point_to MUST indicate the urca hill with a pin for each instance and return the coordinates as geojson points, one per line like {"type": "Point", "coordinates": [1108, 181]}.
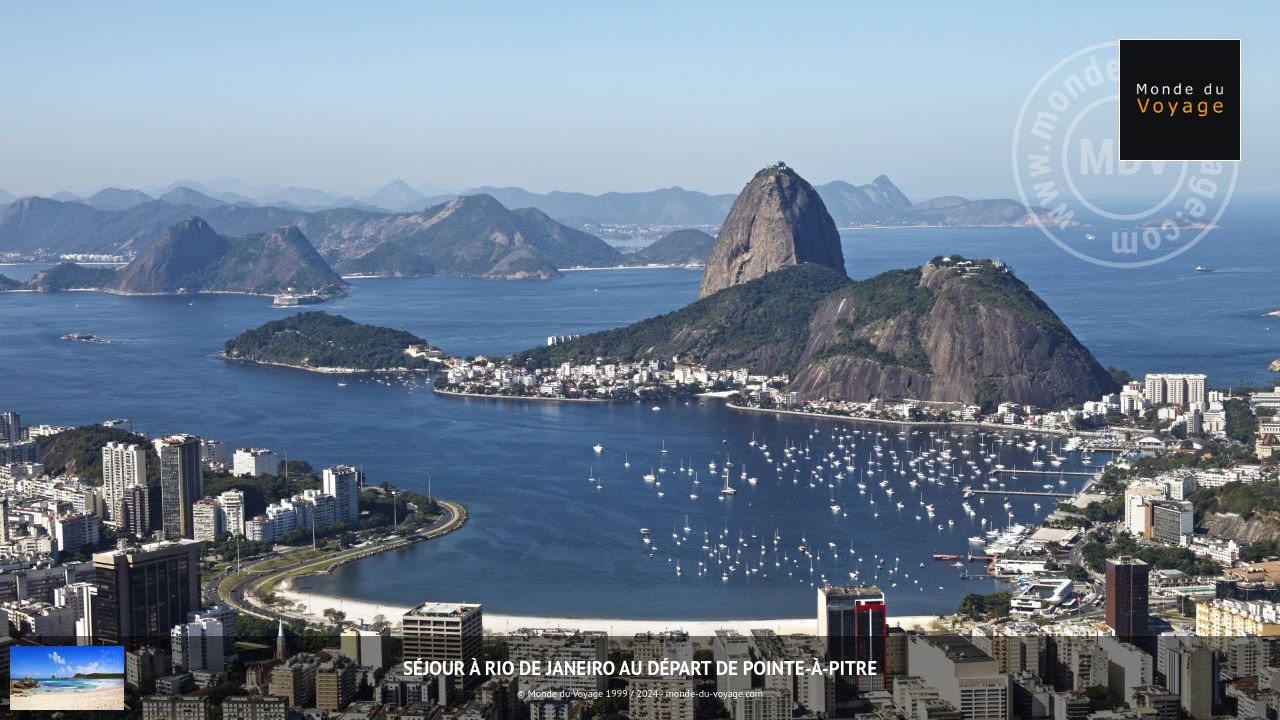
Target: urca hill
{"type": "Point", "coordinates": [776, 298]}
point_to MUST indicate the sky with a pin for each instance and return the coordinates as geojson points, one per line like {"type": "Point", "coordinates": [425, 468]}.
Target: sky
{"type": "Point", "coordinates": [64, 660]}
{"type": "Point", "coordinates": [588, 97]}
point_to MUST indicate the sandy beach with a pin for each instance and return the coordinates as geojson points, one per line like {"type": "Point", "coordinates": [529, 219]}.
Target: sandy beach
{"type": "Point", "coordinates": [106, 698]}
{"type": "Point", "coordinates": [315, 605]}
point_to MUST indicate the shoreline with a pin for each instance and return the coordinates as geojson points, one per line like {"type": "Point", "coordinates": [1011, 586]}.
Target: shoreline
{"type": "Point", "coordinates": [539, 398]}
{"type": "Point", "coordinates": [633, 267]}
{"type": "Point", "coordinates": [921, 423]}
{"type": "Point", "coordinates": [364, 611]}
{"type": "Point", "coordinates": [322, 370]}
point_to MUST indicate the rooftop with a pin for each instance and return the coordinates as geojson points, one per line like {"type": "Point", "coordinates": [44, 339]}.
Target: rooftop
{"type": "Point", "coordinates": [869, 592]}
{"type": "Point", "coordinates": [956, 648]}
{"type": "Point", "coordinates": [443, 609]}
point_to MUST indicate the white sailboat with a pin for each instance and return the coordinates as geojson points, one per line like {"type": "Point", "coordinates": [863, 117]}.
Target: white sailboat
{"type": "Point", "coordinates": [727, 489]}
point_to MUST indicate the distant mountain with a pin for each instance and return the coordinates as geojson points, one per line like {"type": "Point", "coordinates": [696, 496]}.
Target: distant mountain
{"type": "Point", "coordinates": [882, 203]}
{"type": "Point", "coordinates": [681, 247]}
{"type": "Point", "coordinates": [5, 197]}
{"type": "Point", "coordinates": [778, 220]}
{"type": "Point", "coordinates": [852, 203]}
{"type": "Point", "coordinates": [70, 276]}
{"type": "Point", "coordinates": [668, 206]}
{"type": "Point", "coordinates": [185, 196]}
{"type": "Point", "coordinates": [190, 256]}
{"type": "Point", "coordinates": [64, 196]}
{"type": "Point", "coordinates": [300, 198]}
{"type": "Point", "coordinates": [117, 199]}
{"type": "Point", "coordinates": [474, 235]}
{"type": "Point", "coordinates": [33, 224]}
{"type": "Point", "coordinates": [396, 196]}
{"type": "Point", "coordinates": [387, 259]}
{"type": "Point", "coordinates": [953, 211]}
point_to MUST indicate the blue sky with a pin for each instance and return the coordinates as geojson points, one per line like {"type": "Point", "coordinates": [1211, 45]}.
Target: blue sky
{"type": "Point", "coordinates": [571, 96]}
{"type": "Point", "coordinates": [64, 660]}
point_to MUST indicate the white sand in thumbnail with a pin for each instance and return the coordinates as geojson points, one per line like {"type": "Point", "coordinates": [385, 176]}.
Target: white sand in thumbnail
{"type": "Point", "coordinates": [105, 698]}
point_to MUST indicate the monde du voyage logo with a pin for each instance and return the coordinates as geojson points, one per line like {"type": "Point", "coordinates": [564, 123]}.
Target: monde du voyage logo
{"type": "Point", "coordinates": [1124, 152]}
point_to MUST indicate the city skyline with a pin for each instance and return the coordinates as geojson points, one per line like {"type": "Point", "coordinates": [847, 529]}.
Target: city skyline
{"type": "Point", "coordinates": [609, 100]}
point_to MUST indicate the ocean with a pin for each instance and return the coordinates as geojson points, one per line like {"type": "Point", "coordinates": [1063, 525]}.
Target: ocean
{"type": "Point", "coordinates": [542, 540]}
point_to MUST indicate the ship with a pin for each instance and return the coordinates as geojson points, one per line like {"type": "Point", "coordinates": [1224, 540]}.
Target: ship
{"type": "Point", "coordinates": [1201, 268]}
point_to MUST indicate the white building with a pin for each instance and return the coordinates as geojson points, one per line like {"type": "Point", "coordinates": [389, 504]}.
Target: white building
{"type": "Point", "coordinates": [231, 502]}
{"type": "Point", "coordinates": [962, 674]}
{"type": "Point", "coordinates": [341, 481]}
{"type": "Point", "coordinates": [259, 529]}
{"type": "Point", "coordinates": [124, 465]}
{"type": "Point", "coordinates": [213, 453]}
{"type": "Point", "coordinates": [199, 645]}
{"type": "Point", "coordinates": [252, 462]}
{"type": "Point", "coordinates": [207, 519]}
{"type": "Point", "coordinates": [73, 532]}
{"type": "Point", "coordinates": [1180, 389]}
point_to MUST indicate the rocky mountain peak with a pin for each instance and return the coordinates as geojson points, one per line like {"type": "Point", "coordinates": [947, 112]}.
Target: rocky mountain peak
{"type": "Point", "coordinates": [777, 221]}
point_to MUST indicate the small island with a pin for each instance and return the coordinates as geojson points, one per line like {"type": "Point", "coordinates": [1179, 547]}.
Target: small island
{"type": "Point", "coordinates": [319, 342]}
{"type": "Point", "coordinates": [85, 337]}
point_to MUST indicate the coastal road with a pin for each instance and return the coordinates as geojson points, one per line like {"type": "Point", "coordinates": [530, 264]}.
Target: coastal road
{"type": "Point", "coordinates": [236, 592]}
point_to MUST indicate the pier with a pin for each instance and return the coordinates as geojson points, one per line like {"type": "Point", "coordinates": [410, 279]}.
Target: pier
{"type": "Point", "coordinates": [1026, 493]}
{"type": "Point", "coordinates": [1055, 473]}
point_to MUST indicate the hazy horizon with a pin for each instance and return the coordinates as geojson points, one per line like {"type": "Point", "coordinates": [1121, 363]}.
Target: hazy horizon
{"type": "Point", "coordinates": [587, 99]}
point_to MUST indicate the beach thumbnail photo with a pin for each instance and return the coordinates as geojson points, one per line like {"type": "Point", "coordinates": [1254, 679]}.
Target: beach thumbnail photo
{"type": "Point", "coordinates": [66, 677]}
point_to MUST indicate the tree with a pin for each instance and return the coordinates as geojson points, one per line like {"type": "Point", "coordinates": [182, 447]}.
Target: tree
{"type": "Point", "coordinates": [335, 616]}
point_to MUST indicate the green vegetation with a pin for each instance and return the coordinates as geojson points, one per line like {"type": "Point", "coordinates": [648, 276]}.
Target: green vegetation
{"type": "Point", "coordinates": [1245, 500]}
{"type": "Point", "coordinates": [261, 491]}
{"type": "Point", "coordinates": [992, 605]}
{"type": "Point", "coordinates": [884, 298]}
{"type": "Point", "coordinates": [1242, 424]}
{"type": "Point", "coordinates": [1260, 550]}
{"type": "Point", "coordinates": [79, 451]}
{"type": "Point", "coordinates": [763, 324]}
{"type": "Point", "coordinates": [1108, 511]}
{"type": "Point", "coordinates": [320, 340]}
{"type": "Point", "coordinates": [1161, 557]}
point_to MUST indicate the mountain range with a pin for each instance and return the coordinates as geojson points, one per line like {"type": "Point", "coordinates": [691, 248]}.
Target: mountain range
{"type": "Point", "coordinates": [472, 235]}
{"type": "Point", "coordinates": [191, 257]}
{"type": "Point", "coordinates": [877, 203]}
{"type": "Point", "coordinates": [775, 298]}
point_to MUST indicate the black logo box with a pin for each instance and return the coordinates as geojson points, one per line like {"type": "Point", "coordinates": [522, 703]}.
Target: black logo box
{"type": "Point", "coordinates": [1185, 65]}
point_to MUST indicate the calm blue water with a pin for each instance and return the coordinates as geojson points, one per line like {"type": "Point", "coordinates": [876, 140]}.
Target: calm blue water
{"type": "Point", "coordinates": [71, 685]}
{"type": "Point", "coordinates": [542, 540]}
